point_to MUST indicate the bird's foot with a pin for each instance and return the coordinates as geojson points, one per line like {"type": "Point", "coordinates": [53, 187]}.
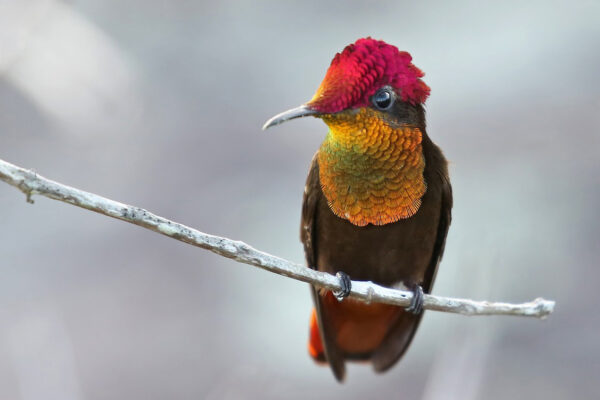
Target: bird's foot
{"type": "Point", "coordinates": [346, 285]}
{"type": "Point", "coordinates": [416, 303]}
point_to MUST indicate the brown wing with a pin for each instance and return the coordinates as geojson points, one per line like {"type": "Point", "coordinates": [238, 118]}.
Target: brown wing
{"type": "Point", "coordinates": [400, 335]}
{"type": "Point", "coordinates": [312, 196]}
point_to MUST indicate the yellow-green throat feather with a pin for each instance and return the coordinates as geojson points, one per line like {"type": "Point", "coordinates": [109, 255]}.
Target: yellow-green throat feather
{"type": "Point", "coordinates": [371, 172]}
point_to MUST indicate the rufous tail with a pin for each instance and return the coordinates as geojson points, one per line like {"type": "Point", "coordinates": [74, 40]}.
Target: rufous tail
{"type": "Point", "coordinates": [315, 345]}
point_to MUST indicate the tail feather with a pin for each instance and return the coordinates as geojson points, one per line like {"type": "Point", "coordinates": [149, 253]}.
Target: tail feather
{"type": "Point", "coordinates": [315, 344]}
{"type": "Point", "coordinates": [326, 334]}
{"type": "Point", "coordinates": [359, 332]}
{"type": "Point", "coordinates": [396, 341]}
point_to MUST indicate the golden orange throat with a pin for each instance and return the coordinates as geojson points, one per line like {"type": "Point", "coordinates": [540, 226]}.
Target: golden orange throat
{"type": "Point", "coordinates": [371, 172]}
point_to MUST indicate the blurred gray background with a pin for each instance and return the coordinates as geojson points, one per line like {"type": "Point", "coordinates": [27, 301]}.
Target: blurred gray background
{"type": "Point", "coordinates": [160, 104]}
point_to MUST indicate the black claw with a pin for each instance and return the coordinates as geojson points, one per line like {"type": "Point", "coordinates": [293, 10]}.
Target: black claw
{"type": "Point", "coordinates": [346, 285]}
{"type": "Point", "coordinates": [416, 303]}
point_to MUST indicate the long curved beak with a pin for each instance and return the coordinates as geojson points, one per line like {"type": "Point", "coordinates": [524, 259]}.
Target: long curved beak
{"type": "Point", "coordinates": [298, 112]}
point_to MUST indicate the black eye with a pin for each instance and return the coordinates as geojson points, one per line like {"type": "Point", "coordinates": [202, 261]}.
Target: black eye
{"type": "Point", "coordinates": [383, 99]}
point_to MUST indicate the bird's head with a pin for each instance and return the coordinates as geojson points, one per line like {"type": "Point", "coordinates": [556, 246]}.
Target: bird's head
{"type": "Point", "coordinates": [368, 79]}
{"type": "Point", "coordinates": [371, 163]}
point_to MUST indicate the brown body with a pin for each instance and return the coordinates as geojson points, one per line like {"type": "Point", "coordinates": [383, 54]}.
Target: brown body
{"type": "Point", "coordinates": [404, 252]}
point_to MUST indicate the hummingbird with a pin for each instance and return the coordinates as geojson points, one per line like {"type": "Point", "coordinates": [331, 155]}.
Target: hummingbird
{"type": "Point", "coordinates": [376, 206]}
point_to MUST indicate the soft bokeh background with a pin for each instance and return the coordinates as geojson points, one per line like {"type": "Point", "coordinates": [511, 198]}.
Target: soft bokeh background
{"type": "Point", "coordinates": [160, 103]}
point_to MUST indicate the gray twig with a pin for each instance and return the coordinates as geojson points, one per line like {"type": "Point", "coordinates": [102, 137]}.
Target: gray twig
{"type": "Point", "coordinates": [31, 183]}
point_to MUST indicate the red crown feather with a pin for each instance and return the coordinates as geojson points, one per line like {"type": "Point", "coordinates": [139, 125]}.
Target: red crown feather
{"type": "Point", "coordinates": [360, 69]}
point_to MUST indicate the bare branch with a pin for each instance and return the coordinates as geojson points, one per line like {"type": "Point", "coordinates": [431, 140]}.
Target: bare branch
{"type": "Point", "coordinates": [31, 183]}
